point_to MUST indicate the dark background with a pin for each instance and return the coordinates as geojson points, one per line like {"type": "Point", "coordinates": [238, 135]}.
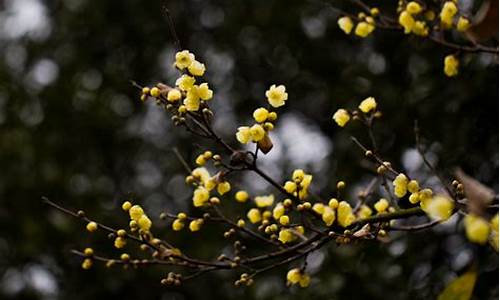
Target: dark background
{"type": "Point", "coordinates": [72, 128]}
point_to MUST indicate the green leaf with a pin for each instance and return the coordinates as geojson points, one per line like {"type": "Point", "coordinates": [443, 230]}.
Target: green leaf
{"type": "Point", "coordinates": [461, 288]}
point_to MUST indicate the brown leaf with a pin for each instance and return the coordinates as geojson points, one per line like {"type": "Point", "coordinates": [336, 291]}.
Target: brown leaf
{"type": "Point", "coordinates": [478, 195]}
{"type": "Point", "coordinates": [265, 145]}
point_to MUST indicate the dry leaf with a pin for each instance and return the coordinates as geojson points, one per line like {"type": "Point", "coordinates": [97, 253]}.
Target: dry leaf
{"type": "Point", "coordinates": [478, 195]}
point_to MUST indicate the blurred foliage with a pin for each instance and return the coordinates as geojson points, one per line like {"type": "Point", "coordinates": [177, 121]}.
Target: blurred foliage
{"type": "Point", "coordinates": [72, 129]}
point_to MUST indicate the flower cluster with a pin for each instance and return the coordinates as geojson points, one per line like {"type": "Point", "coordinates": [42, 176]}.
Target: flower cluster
{"type": "Point", "coordinates": [204, 184]}
{"type": "Point", "coordinates": [367, 107]}
{"type": "Point", "coordinates": [419, 18]}
{"type": "Point", "coordinates": [293, 220]}
{"type": "Point", "coordinates": [298, 276]}
{"type": "Point", "coordinates": [264, 118]}
{"type": "Point", "coordinates": [364, 27]}
{"type": "Point", "coordinates": [409, 19]}
{"type": "Point", "coordinates": [335, 210]}
{"type": "Point", "coordinates": [299, 185]}
{"type": "Point", "coordinates": [190, 94]}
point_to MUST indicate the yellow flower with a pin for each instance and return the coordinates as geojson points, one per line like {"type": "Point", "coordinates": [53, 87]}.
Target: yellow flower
{"type": "Point", "coordinates": [439, 207]}
{"type": "Point", "coordinates": [284, 220]}
{"type": "Point", "coordinates": [381, 205]}
{"type": "Point", "coordinates": [144, 223]}
{"type": "Point", "coordinates": [241, 223]}
{"type": "Point", "coordinates": [298, 175]}
{"type": "Point", "coordinates": [344, 214]}
{"type": "Point", "coordinates": [341, 117]}
{"type": "Point", "coordinates": [210, 184]}
{"type": "Point", "coordinates": [244, 134]}
{"type": "Point", "coordinates": [195, 225]}
{"type": "Point", "coordinates": [201, 174]}
{"type": "Point", "coordinates": [260, 115]}
{"type": "Point", "coordinates": [183, 59]}
{"type": "Point", "coordinates": [200, 196]}
{"type": "Point", "coordinates": [413, 186]}
{"type": "Point", "coordinates": [447, 13]}
{"type": "Point", "coordinates": [88, 251]}
{"type": "Point", "coordinates": [477, 229]}
{"type": "Point", "coordinates": [364, 212]}
{"type": "Point", "coordinates": [318, 208]}
{"type": "Point", "coordinates": [333, 203]}
{"type": "Point", "coordinates": [254, 215]}
{"type": "Point", "coordinates": [174, 95]}
{"type": "Point", "coordinates": [192, 100]}
{"type": "Point", "coordinates": [420, 28]}
{"type": "Point", "coordinates": [196, 68]}
{"type": "Point", "coordinates": [185, 82]}
{"type": "Point", "coordinates": [264, 201]}
{"type": "Point", "coordinates": [345, 23]}
{"type": "Point", "coordinates": [155, 92]}
{"type": "Point", "coordinates": [257, 132]}
{"type": "Point", "coordinates": [294, 275]}
{"type": "Point", "coordinates": [177, 225]}
{"type": "Point", "coordinates": [204, 92]}
{"type": "Point", "coordinates": [92, 226]}
{"type": "Point", "coordinates": [368, 105]}
{"type": "Point", "coordinates": [276, 95]}
{"type": "Point", "coordinates": [290, 187]}
{"type": "Point", "coordinates": [374, 11]}
{"type": "Point", "coordinates": [273, 116]}
{"type": "Point", "coordinates": [414, 198]}
{"type": "Point", "coordinates": [400, 185]}
{"type": "Point", "coordinates": [363, 29]}
{"type": "Point", "coordinates": [451, 65]}
{"type": "Point", "coordinates": [328, 215]}
{"type": "Point", "coordinates": [124, 256]}
{"type": "Point", "coordinates": [304, 281]}
{"type": "Point", "coordinates": [126, 205]}
{"type": "Point", "coordinates": [278, 211]}
{"type": "Point", "coordinates": [223, 187]}
{"type": "Point", "coordinates": [463, 24]}
{"type": "Point", "coordinates": [241, 196]}
{"type": "Point", "coordinates": [87, 264]}
{"type": "Point", "coordinates": [286, 236]}
{"type": "Point", "coordinates": [407, 21]}
{"type": "Point", "coordinates": [413, 8]}
{"type": "Point", "coordinates": [200, 160]}
{"type": "Point", "coordinates": [304, 184]}
{"type": "Point", "coordinates": [425, 195]}
{"type": "Point", "coordinates": [370, 20]}
{"type": "Point", "coordinates": [120, 242]}
{"type": "Point", "coordinates": [136, 212]}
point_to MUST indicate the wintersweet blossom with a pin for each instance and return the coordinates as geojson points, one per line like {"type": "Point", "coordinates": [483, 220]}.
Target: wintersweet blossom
{"type": "Point", "coordinates": [276, 95]}
{"type": "Point", "coordinates": [368, 105]}
{"type": "Point", "coordinates": [477, 229]}
{"type": "Point", "coordinates": [451, 65]}
{"type": "Point", "coordinates": [264, 201]}
{"type": "Point", "coordinates": [341, 117]}
{"type": "Point", "coordinates": [345, 23]}
{"type": "Point", "coordinates": [183, 59]}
